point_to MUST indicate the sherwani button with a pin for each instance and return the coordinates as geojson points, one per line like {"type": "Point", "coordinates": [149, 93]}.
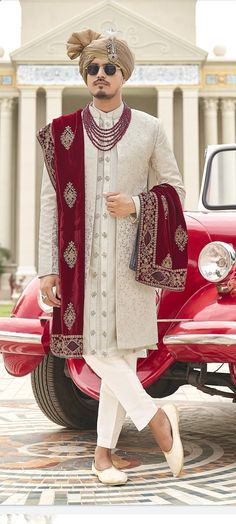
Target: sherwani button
{"type": "Point", "coordinates": [104, 274]}
{"type": "Point", "coordinates": [104, 353]}
{"type": "Point", "coordinates": [104, 234]}
{"type": "Point", "coordinates": [99, 178]}
{"type": "Point", "coordinates": [104, 333]}
{"type": "Point", "coordinates": [105, 215]}
{"type": "Point", "coordinates": [96, 235]}
{"type": "Point", "coordinates": [107, 159]}
{"type": "Point", "coordinates": [98, 196]}
{"type": "Point", "coordinates": [92, 332]}
{"type": "Point", "coordinates": [93, 313]}
{"type": "Point", "coordinates": [96, 255]}
{"type": "Point", "coordinates": [104, 255]}
{"type": "Point", "coordinates": [94, 294]}
{"type": "Point", "coordinates": [104, 294]}
{"type": "Point", "coordinates": [107, 178]}
{"type": "Point", "coordinates": [94, 274]}
{"type": "Point", "coordinates": [104, 313]}
{"type": "Point", "coordinates": [100, 159]}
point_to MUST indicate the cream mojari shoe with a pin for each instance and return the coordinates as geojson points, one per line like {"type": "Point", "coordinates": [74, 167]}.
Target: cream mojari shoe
{"type": "Point", "coordinates": [112, 475]}
{"type": "Point", "coordinates": [174, 457]}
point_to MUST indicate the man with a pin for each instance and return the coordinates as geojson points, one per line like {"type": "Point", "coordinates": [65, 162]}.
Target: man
{"type": "Point", "coordinates": [100, 159]}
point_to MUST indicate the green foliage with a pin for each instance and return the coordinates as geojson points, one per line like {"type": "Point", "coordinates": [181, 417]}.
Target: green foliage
{"type": "Point", "coordinates": [5, 310]}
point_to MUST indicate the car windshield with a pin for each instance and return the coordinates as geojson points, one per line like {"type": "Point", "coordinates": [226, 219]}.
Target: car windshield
{"type": "Point", "coordinates": [220, 183]}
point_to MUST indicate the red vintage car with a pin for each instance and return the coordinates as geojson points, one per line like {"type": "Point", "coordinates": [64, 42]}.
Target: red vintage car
{"type": "Point", "coordinates": [196, 327]}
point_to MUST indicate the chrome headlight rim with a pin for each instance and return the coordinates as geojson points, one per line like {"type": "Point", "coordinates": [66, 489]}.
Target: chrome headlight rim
{"type": "Point", "coordinates": [230, 257]}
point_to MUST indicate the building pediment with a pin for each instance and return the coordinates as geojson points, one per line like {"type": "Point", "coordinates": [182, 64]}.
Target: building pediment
{"type": "Point", "coordinates": [151, 43]}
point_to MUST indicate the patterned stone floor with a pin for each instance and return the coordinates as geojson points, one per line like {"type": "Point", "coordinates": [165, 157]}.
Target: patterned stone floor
{"type": "Point", "coordinates": [44, 464]}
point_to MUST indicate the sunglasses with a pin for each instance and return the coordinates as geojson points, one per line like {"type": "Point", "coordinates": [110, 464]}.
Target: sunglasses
{"type": "Point", "coordinates": [109, 69]}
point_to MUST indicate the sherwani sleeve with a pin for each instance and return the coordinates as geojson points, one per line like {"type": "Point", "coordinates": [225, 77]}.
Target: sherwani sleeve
{"type": "Point", "coordinates": [163, 165]}
{"type": "Point", "coordinates": [48, 243]}
{"type": "Point", "coordinates": [134, 217]}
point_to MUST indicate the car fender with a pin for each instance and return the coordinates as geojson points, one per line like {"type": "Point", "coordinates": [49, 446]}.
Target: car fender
{"type": "Point", "coordinates": [207, 332]}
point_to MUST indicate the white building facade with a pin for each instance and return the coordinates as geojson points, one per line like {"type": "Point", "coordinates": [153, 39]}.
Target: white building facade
{"type": "Point", "coordinates": [173, 80]}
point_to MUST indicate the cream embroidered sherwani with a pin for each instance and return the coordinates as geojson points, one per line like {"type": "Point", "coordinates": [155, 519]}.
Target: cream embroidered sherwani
{"type": "Point", "coordinates": [119, 313]}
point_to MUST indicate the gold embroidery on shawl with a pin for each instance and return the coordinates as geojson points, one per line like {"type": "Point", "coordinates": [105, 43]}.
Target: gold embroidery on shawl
{"type": "Point", "coordinates": [70, 194]}
{"type": "Point", "coordinates": [55, 262]}
{"type": "Point", "coordinates": [181, 238]}
{"type": "Point", "coordinates": [161, 277]}
{"type": "Point", "coordinates": [167, 262]}
{"type": "Point", "coordinates": [67, 346]}
{"type": "Point", "coordinates": [45, 138]}
{"type": "Point", "coordinates": [69, 316]}
{"type": "Point", "coordinates": [67, 137]}
{"type": "Point", "coordinates": [165, 206]}
{"type": "Point", "coordinates": [70, 254]}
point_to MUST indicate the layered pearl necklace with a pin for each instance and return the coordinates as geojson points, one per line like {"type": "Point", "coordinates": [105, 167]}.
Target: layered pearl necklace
{"type": "Point", "coordinates": [106, 139]}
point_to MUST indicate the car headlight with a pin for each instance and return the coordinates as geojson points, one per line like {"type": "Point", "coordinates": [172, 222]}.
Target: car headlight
{"type": "Point", "coordinates": [216, 261]}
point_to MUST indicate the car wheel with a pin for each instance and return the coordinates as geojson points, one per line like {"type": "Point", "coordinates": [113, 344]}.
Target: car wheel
{"type": "Point", "coordinates": [59, 398]}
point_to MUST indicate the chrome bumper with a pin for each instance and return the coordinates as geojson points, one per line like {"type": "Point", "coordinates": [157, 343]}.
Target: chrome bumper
{"type": "Point", "coordinates": [21, 338]}
{"type": "Point", "coordinates": [213, 338]}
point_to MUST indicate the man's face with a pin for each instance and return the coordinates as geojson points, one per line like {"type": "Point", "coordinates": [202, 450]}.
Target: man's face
{"type": "Point", "coordinates": [104, 86]}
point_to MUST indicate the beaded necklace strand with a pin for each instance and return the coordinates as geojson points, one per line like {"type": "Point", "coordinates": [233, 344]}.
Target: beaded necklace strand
{"type": "Point", "coordinates": [106, 139]}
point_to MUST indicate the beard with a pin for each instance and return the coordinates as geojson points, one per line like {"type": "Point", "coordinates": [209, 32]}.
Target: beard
{"type": "Point", "coordinates": [102, 95]}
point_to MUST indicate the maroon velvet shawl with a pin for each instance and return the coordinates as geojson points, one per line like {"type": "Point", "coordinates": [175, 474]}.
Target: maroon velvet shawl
{"type": "Point", "coordinates": [62, 143]}
{"type": "Point", "coordinates": [160, 254]}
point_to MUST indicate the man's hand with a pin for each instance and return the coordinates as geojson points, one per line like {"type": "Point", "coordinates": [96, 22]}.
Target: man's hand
{"type": "Point", "coordinates": [46, 285]}
{"type": "Point", "coordinates": [119, 204]}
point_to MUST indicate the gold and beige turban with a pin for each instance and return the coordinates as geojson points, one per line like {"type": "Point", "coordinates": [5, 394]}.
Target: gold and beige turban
{"type": "Point", "coordinates": [89, 44]}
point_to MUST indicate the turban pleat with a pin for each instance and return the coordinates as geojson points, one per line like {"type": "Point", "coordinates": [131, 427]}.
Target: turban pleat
{"type": "Point", "coordinates": [89, 44]}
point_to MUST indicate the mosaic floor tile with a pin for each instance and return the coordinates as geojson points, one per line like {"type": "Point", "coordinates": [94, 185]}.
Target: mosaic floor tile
{"type": "Point", "coordinates": [45, 464]}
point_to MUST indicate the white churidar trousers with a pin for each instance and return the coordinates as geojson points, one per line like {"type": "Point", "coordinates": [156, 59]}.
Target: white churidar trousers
{"type": "Point", "coordinates": [121, 392]}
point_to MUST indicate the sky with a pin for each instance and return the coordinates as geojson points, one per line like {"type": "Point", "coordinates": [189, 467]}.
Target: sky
{"type": "Point", "coordinates": [215, 26]}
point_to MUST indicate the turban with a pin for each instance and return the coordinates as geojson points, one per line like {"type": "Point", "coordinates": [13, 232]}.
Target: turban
{"type": "Point", "coordinates": [89, 44]}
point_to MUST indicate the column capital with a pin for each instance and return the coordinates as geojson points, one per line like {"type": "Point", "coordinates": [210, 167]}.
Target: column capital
{"type": "Point", "coordinates": [7, 104]}
{"type": "Point", "coordinates": [228, 105]}
{"type": "Point", "coordinates": [28, 92]}
{"type": "Point", "coordinates": [165, 92]}
{"type": "Point", "coordinates": [53, 89]}
{"type": "Point", "coordinates": [190, 93]}
{"type": "Point", "coordinates": [210, 104]}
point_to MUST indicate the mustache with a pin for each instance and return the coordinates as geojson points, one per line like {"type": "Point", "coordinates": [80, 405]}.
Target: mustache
{"type": "Point", "coordinates": [100, 82]}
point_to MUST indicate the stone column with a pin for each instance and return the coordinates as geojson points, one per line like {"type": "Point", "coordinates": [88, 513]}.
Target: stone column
{"type": "Point", "coordinates": [210, 120]}
{"type": "Point", "coordinates": [211, 138]}
{"type": "Point", "coordinates": [166, 111]}
{"type": "Point", "coordinates": [26, 185]}
{"type": "Point", "coordinates": [6, 154]}
{"type": "Point", "coordinates": [228, 120]}
{"type": "Point", "coordinates": [53, 103]}
{"type": "Point", "coordinates": [228, 159]}
{"type": "Point", "coordinates": [191, 147]}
